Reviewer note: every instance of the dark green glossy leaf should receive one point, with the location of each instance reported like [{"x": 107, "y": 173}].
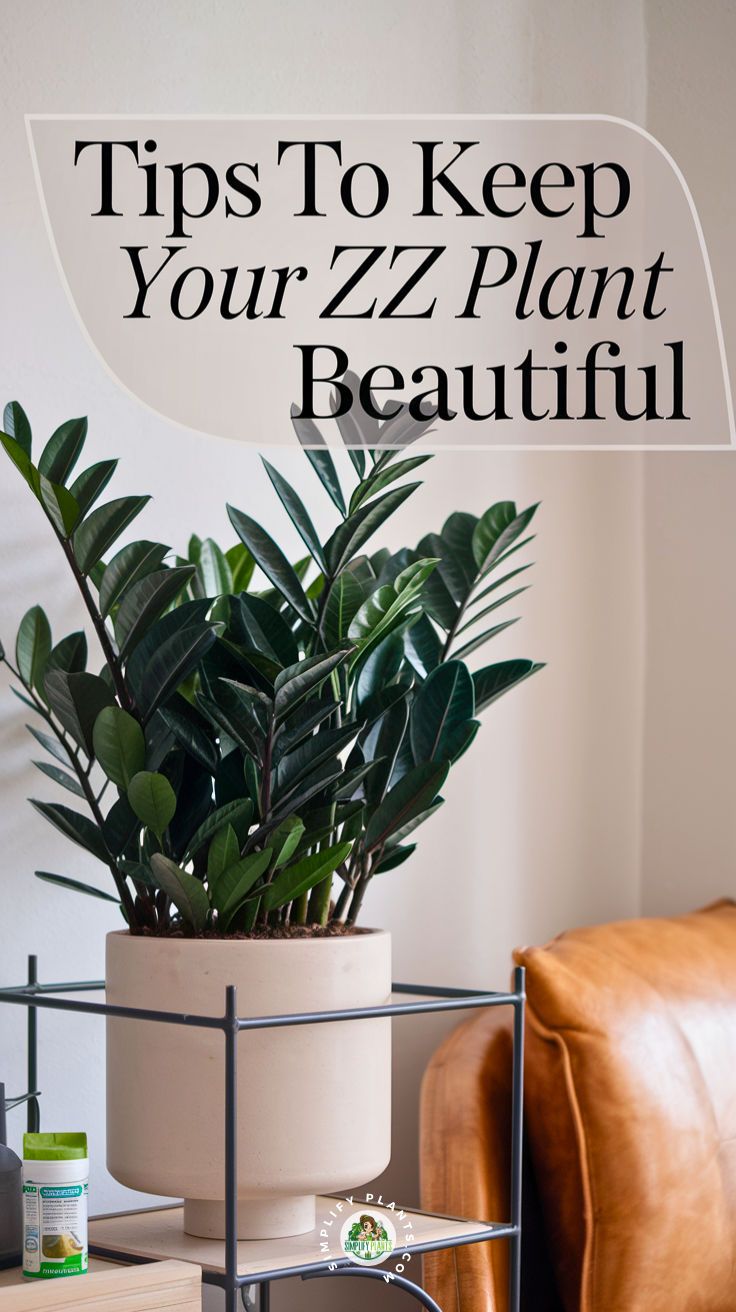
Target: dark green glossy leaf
[
  {"x": 260, "y": 627},
  {"x": 382, "y": 744},
  {"x": 229, "y": 814},
  {"x": 191, "y": 735},
  {"x": 233, "y": 717},
  {"x": 357, "y": 457},
  {"x": 159, "y": 741},
  {"x": 119, "y": 745},
  {"x": 320, "y": 778},
  {"x": 49, "y": 744},
  {"x": 393, "y": 857},
  {"x": 121, "y": 827},
  {"x": 25, "y": 700},
  {"x": 299, "y": 878},
  {"x": 302, "y": 722},
  {"x": 145, "y": 601},
  {"x": 33, "y": 647},
  {"x": 297, "y": 681},
  {"x": 383, "y": 477},
  {"x": 79, "y": 828},
  {"x": 102, "y": 527},
  {"x": 194, "y": 804},
  {"x": 234, "y": 885},
  {"x": 499, "y": 583},
  {"x": 223, "y": 852},
  {"x": 350, "y": 780},
  {"x": 438, "y": 599},
  {"x": 272, "y": 561},
  {"x": 440, "y": 712},
  {"x": 59, "y": 505},
  {"x": 399, "y": 835},
  {"x": 381, "y": 701},
  {"x": 449, "y": 569},
  {"x": 465, "y": 739},
  {"x": 345, "y": 598},
  {"x": 184, "y": 890},
  {"x": 457, "y": 533},
  {"x": 494, "y": 680},
  {"x": 351, "y": 536},
  {"x": 189, "y": 614},
  {"x": 285, "y": 839},
  {"x": 172, "y": 663},
  {"x": 91, "y": 483},
  {"x": 481, "y": 639},
  {"x": 70, "y": 654},
  {"x": 62, "y": 451},
  {"x": 241, "y": 565},
  {"x": 153, "y": 800},
  {"x": 21, "y": 460},
  {"x": 60, "y": 776},
  {"x": 414, "y": 793},
  {"x": 319, "y": 457},
  {"x": 322, "y": 822},
  {"x": 497, "y": 529},
  {"x": 16, "y": 425},
  {"x": 75, "y": 886},
  {"x": 213, "y": 574},
  {"x": 487, "y": 610},
  {"x": 423, "y": 645},
  {"x": 300, "y": 763},
  {"x": 77, "y": 700},
  {"x": 381, "y": 666},
  {"x": 130, "y": 564},
  {"x": 138, "y": 872},
  {"x": 297, "y": 512},
  {"x": 387, "y": 610}
]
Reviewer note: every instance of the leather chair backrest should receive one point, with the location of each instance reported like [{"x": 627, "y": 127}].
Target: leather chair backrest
[
  {"x": 465, "y": 1171},
  {"x": 631, "y": 1111}
]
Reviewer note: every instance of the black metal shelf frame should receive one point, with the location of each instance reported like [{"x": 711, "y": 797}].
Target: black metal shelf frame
[{"x": 34, "y": 995}]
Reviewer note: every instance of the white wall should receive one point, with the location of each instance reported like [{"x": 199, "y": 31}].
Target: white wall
[
  {"x": 543, "y": 825},
  {"x": 689, "y": 832}
]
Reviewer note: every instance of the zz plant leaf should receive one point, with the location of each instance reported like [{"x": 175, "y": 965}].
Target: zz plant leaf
[
  {"x": 119, "y": 745},
  {"x": 153, "y": 800}
]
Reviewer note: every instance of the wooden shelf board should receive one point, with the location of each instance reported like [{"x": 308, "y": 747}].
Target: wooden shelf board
[
  {"x": 14, "y": 1275},
  {"x": 112, "y": 1286},
  {"x": 159, "y": 1234}
]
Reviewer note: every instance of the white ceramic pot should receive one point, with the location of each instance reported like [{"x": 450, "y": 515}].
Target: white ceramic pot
[{"x": 314, "y": 1101}]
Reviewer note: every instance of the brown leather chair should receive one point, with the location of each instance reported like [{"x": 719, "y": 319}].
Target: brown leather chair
[{"x": 630, "y": 1109}]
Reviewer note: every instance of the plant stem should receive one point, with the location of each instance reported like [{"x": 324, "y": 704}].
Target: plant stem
[
  {"x": 299, "y": 910},
  {"x": 266, "y": 801},
  {"x": 359, "y": 893},
  {"x": 341, "y": 905},
  {"x": 266, "y": 782},
  {"x": 319, "y": 902},
  {"x": 455, "y": 625},
  {"x": 100, "y": 628}
]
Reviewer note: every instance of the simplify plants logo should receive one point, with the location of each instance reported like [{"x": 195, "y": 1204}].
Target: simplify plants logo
[
  {"x": 368, "y": 1238},
  {"x": 368, "y": 1231}
]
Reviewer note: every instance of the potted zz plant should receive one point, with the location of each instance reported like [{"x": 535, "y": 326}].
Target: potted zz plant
[{"x": 243, "y": 761}]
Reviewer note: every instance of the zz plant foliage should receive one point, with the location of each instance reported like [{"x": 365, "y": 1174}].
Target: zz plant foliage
[{"x": 247, "y": 760}]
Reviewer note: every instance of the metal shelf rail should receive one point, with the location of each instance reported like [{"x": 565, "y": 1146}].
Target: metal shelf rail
[{"x": 34, "y": 996}]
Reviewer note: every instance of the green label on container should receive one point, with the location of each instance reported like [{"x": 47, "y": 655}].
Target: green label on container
[{"x": 55, "y": 1230}]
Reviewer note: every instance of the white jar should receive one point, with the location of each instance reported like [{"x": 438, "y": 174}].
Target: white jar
[{"x": 55, "y": 1182}]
